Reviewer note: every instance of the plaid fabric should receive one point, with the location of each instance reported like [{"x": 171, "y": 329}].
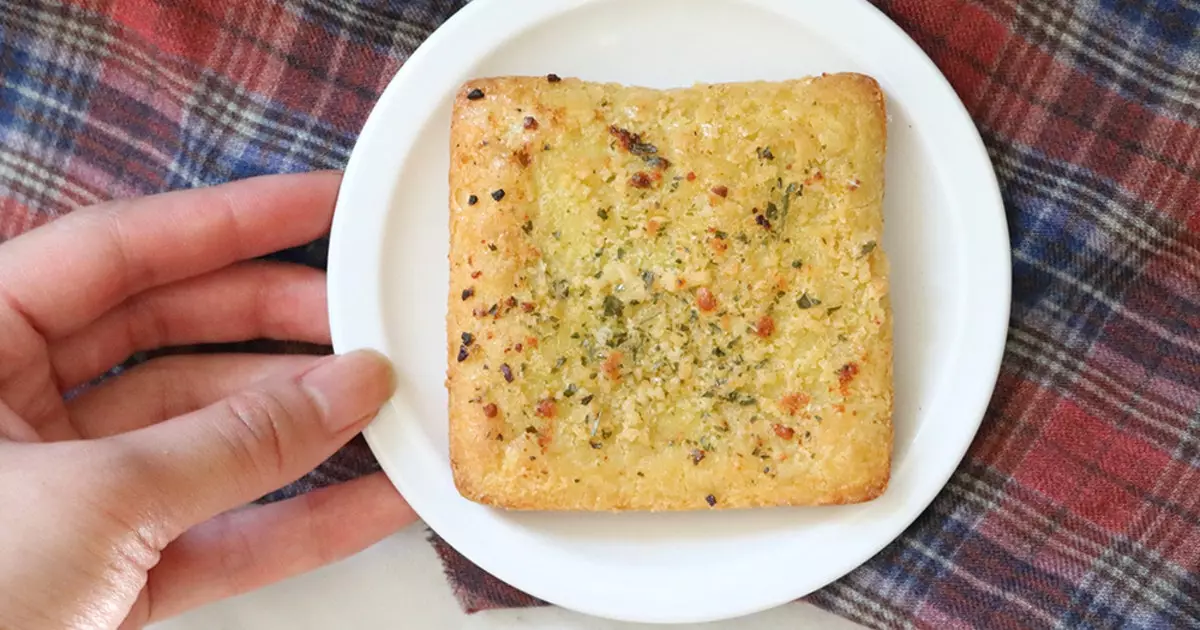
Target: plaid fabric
[{"x": 1079, "y": 503}]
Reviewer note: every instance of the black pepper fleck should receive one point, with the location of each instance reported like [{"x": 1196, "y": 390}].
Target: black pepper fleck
[
  {"x": 507, "y": 372},
  {"x": 463, "y": 353},
  {"x": 553, "y": 78},
  {"x": 468, "y": 338},
  {"x": 475, "y": 94},
  {"x": 711, "y": 500},
  {"x": 472, "y": 200},
  {"x": 467, "y": 293},
  {"x": 498, "y": 194}
]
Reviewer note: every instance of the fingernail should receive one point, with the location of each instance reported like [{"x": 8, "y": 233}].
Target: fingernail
[{"x": 349, "y": 387}]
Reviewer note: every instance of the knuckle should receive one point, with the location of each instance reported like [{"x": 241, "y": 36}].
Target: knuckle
[
  {"x": 258, "y": 421},
  {"x": 261, "y": 427}
]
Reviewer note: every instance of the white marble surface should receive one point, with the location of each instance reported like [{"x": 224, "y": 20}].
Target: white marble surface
[{"x": 398, "y": 583}]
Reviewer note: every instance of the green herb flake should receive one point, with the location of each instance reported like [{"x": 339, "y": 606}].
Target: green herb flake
[
  {"x": 570, "y": 390},
  {"x": 527, "y": 227},
  {"x": 562, "y": 288},
  {"x": 613, "y": 306},
  {"x": 603, "y": 214},
  {"x": 867, "y": 248},
  {"x": 806, "y": 302},
  {"x": 796, "y": 264}
]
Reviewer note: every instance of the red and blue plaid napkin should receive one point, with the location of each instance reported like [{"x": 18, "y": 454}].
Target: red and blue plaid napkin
[{"x": 1079, "y": 502}]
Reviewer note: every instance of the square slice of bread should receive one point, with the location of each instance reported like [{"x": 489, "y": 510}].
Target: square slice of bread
[{"x": 668, "y": 299}]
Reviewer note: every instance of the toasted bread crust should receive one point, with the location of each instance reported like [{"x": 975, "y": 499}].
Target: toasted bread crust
[{"x": 679, "y": 300}]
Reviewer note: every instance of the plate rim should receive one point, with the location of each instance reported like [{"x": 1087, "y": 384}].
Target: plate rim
[{"x": 352, "y": 332}]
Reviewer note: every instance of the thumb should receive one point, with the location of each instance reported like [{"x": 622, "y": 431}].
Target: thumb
[{"x": 236, "y": 450}]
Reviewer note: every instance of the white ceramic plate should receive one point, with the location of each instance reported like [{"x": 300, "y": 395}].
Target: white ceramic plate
[{"x": 945, "y": 234}]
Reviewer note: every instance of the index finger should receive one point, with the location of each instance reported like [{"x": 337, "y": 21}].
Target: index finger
[{"x": 65, "y": 274}]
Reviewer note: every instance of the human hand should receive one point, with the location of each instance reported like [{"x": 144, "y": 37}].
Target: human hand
[{"x": 115, "y": 504}]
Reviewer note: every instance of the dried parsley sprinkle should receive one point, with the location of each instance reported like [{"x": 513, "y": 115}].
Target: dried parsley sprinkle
[
  {"x": 468, "y": 338},
  {"x": 807, "y": 302},
  {"x": 475, "y": 94},
  {"x": 472, "y": 200},
  {"x": 463, "y": 353},
  {"x": 796, "y": 264},
  {"x": 498, "y": 194},
  {"x": 587, "y": 399},
  {"x": 613, "y": 307},
  {"x": 867, "y": 248},
  {"x": 527, "y": 227},
  {"x": 603, "y": 214},
  {"x": 570, "y": 390}
]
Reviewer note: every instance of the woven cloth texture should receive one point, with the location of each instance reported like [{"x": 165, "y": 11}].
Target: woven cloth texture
[{"x": 1078, "y": 504}]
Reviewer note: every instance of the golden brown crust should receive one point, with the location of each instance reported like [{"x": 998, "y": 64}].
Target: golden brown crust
[{"x": 678, "y": 301}]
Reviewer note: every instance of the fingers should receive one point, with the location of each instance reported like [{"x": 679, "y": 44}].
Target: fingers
[
  {"x": 67, "y": 273},
  {"x": 14, "y": 428},
  {"x": 244, "y": 550},
  {"x": 246, "y": 301},
  {"x": 172, "y": 386},
  {"x": 195, "y": 466}
]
